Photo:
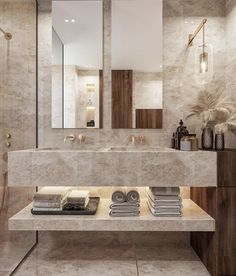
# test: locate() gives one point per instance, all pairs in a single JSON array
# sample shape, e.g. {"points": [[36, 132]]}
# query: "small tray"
{"points": [[90, 209]]}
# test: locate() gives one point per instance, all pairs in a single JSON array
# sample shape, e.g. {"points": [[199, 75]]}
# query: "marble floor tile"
{"points": [[80, 261], [11, 253], [167, 268], [170, 260], [5, 273]]}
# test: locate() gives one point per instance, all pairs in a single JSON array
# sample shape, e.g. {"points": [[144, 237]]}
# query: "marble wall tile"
{"points": [[17, 117]]}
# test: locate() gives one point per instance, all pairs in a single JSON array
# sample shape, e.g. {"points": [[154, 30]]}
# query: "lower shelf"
{"points": [[193, 219]]}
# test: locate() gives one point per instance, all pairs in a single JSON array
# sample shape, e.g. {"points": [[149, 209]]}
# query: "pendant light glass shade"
{"points": [[204, 64]]}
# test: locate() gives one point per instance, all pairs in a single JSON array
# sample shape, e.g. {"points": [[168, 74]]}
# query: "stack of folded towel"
{"points": [[164, 202], [50, 198], [125, 203], [76, 200]]}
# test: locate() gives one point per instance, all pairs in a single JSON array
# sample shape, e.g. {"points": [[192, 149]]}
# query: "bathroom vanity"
{"points": [[209, 215], [113, 166]]}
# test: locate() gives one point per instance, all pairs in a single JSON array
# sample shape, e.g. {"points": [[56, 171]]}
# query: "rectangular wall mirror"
{"points": [[137, 64], [77, 87]]}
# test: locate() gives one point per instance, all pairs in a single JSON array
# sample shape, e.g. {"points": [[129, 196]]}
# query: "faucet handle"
{"points": [[132, 139], [141, 139], [70, 138], [81, 138]]}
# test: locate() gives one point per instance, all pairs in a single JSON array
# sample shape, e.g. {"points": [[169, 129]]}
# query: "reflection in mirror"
{"points": [[137, 64], [77, 64]]}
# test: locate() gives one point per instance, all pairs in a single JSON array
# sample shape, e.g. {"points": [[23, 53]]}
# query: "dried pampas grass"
{"points": [[213, 108]]}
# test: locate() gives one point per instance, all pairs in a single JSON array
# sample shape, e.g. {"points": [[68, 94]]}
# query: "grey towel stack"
{"points": [[164, 201], [50, 198], [76, 200], [125, 203]]}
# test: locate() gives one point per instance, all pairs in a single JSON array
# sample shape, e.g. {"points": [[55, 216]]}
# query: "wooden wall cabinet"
{"points": [[218, 250]]}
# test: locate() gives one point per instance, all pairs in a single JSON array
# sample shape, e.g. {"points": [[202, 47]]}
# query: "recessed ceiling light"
{"points": [[73, 20], [66, 20]]}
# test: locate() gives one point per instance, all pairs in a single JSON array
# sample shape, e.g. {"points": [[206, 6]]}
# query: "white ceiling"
{"points": [[136, 33]]}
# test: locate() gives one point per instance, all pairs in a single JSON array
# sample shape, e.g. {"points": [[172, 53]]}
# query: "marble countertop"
{"points": [[193, 219], [112, 166]]}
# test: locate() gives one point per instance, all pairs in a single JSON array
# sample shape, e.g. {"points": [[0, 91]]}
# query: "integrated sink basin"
{"points": [[140, 148], [112, 166]]}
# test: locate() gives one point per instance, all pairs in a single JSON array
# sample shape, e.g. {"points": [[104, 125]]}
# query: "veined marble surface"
{"points": [[162, 167], [193, 219]]}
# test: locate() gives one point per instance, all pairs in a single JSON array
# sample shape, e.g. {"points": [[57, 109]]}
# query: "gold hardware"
{"points": [[192, 36], [81, 138], [70, 138], [7, 144], [8, 36], [141, 139], [132, 139], [8, 135]]}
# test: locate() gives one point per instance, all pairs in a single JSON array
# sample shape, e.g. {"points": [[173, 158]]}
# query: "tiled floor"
{"points": [[75, 260], [11, 253]]}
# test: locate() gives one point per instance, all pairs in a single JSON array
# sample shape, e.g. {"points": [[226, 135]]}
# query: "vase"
{"points": [[207, 139], [219, 141]]}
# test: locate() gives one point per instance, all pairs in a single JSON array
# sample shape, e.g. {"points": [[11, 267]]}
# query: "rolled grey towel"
{"points": [[132, 195], [118, 195], [171, 191]]}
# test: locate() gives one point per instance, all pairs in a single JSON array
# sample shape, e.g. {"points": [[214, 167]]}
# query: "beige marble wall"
{"points": [[231, 58], [17, 117], [180, 89], [179, 85]]}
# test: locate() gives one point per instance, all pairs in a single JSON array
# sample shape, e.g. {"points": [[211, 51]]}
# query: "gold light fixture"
{"points": [[204, 55], [204, 58], [8, 36]]}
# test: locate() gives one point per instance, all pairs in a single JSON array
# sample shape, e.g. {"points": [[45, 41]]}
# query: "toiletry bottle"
{"points": [[173, 141]]}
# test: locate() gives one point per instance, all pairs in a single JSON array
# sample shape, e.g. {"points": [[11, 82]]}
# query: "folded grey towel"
{"points": [[124, 205], [47, 197], [165, 190], [47, 209], [118, 195], [73, 206], [45, 204], [51, 194], [164, 203], [123, 214], [176, 199], [132, 195], [167, 213]]}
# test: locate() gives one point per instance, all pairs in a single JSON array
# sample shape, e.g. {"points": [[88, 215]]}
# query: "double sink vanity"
{"points": [[137, 166]]}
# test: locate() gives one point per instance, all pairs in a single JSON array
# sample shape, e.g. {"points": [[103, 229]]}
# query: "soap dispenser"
{"points": [[180, 132]]}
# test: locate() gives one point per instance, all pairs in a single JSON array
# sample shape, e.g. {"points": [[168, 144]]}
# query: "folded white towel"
{"points": [[80, 197]]}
